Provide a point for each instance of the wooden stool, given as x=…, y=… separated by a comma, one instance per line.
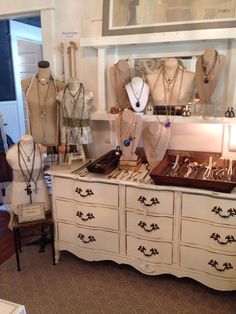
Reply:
x=16, y=226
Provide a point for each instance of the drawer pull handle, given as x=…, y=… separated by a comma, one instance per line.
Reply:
x=227, y=266
x=217, y=210
x=143, y=225
x=153, y=251
x=90, y=238
x=154, y=201
x=216, y=237
x=89, y=216
x=89, y=192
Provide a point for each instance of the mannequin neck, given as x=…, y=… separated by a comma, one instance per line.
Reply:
x=44, y=74
x=122, y=66
x=171, y=65
x=26, y=139
x=73, y=84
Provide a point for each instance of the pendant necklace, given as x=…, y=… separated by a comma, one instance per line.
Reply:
x=207, y=74
x=24, y=152
x=126, y=137
x=151, y=143
x=169, y=80
x=137, y=97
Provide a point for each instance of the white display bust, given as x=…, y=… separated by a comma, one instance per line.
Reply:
x=25, y=160
x=155, y=142
x=138, y=93
x=171, y=84
x=128, y=128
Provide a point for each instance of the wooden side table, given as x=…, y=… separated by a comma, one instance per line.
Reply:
x=17, y=227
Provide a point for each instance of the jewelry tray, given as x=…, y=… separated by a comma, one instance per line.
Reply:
x=160, y=173
x=106, y=163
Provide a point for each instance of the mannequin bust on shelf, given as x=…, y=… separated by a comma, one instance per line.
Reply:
x=40, y=94
x=138, y=93
x=209, y=68
x=75, y=105
x=28, y=185
x=128, y=128
x=155, y=142
x=171, y=84
x=120, y=76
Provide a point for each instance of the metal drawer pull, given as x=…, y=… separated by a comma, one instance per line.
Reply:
x=217, y=210
x=89, y=192
x=216, y=237
x=90, y=238
x=153, y=251
x=227, y=266
x=89, y=216
x=153, y=226
x=154, y=201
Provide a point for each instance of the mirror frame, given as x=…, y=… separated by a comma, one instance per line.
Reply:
x=107, y=30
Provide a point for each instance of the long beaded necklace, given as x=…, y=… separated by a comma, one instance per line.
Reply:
x=28, y=173
x=126, y=136
x=71, y=120
x=207, y=74
x=136, y=95
x=153, y=144
x=120, y=83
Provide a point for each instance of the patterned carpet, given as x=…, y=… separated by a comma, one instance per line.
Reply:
x=80, y=287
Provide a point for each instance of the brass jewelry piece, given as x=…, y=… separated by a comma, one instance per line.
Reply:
x=207, y=74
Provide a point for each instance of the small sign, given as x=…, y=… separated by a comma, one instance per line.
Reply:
x=31, y=212
x=70, y=35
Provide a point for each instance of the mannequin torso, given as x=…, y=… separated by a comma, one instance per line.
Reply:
x=155, y=142
x=25, y=159
x=171, y=84
x=128, y=128
x=120, y=76
x=209, y=67
x=40, y=92
x=138, y=92
x=75, y=107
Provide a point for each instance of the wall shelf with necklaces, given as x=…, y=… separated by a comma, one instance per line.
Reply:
x=184, y=43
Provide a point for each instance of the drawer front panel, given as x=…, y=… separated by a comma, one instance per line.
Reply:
x=92, y=216
x=160, y=228
x=150, y=200
x=96, y=193
x=212, y=236
x=87, y=192
x=209, y=262
x=149, y=251
x=209, y=208
x=88, y=238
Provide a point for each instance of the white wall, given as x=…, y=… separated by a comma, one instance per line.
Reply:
x=85, y=18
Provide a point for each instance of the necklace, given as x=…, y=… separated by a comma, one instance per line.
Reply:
x=126, y=136
x=153, y=144
x=137, y=97
x=26, y=155
x=207, y=74
x=43, y=81
x=169, y=80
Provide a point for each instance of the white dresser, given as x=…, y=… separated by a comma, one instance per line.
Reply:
x=156, y=229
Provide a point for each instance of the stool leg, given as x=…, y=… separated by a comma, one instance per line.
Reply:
x=19, y=239
x=16, y=249
x=52, y=242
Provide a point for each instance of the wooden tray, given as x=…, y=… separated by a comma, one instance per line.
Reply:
x=160, y=177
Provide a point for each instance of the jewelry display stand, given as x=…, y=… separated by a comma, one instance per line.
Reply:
x=138, y=93
x=128, y=128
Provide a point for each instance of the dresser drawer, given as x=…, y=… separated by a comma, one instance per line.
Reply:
x=221, y=265
x=212, y=236
x=149, y=251
x=154, y=201
x=209, y=208
x=88, y=238
x=87, y=192
x=160, y=228
x=93, y=216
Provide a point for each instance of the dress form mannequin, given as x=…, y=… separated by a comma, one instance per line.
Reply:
x=155, y=142
x=21, y=158
x=128, y=128
x=171, y=84
x=40, y=93
x=120, y=76
x=75, y=105
x=138, y=92
x=208, y=70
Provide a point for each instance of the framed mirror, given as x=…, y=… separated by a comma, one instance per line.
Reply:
x=145, y=16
